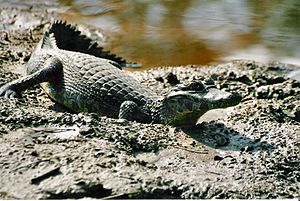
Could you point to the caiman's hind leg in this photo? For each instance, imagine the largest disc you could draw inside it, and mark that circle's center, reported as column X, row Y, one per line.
column 51, row 69
column 131, row 111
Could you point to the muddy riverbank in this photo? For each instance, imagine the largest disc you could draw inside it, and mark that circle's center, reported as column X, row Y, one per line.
column 248, row 151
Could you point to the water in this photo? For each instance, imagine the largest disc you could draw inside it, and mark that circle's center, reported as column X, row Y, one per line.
column 158, row 33
column 181, row 32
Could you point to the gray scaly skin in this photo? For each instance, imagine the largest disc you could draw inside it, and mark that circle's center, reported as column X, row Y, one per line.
column 78, row 74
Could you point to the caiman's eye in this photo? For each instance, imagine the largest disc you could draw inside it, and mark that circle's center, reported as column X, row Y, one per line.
column 196, row 86
column 209, row 81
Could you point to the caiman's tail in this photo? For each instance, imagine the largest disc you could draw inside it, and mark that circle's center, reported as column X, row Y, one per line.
column 68, row 37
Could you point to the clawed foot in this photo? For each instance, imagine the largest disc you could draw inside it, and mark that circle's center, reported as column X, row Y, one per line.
column 7, row 92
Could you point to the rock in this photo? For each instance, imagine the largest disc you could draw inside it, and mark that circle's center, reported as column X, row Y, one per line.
column 172, row 79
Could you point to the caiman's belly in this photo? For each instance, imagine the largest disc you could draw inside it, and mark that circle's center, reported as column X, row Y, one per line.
column 80, row 103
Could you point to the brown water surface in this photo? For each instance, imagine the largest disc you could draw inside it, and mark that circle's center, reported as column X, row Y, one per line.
column 180, row 32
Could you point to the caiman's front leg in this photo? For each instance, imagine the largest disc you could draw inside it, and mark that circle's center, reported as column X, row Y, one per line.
column 128, row 110
column 50, row 69
column 131, row 111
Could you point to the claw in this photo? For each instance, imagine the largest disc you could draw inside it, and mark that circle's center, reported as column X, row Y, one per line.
column 2, row 91
column 10, row 94
column 7, row 92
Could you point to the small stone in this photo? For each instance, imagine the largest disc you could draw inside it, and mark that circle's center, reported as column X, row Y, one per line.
column 296, row 84
column 297, row 114
column 262, row 92
column 251, row 66
column 218, row 158
column 160, row 79
column 34, row 153
column 244, row 79
column 275, row 80
column 172, row 79
column 232, row 76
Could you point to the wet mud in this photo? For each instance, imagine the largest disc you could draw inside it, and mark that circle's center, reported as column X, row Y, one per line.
column 249, row 151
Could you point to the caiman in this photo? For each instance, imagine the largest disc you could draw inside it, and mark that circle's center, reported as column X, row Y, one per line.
column 77, row 73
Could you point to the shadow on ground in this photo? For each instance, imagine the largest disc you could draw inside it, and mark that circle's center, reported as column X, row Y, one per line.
column 217, row 135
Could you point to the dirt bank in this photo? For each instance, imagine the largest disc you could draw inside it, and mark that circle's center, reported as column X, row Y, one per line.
column 249, row 151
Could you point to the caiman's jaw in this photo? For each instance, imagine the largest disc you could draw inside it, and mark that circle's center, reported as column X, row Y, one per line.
column 186, row 103
column 216, row 98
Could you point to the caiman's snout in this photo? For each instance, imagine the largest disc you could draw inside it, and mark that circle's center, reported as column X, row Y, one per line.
column 207, row 95
column 187, row 102
column 216, row 98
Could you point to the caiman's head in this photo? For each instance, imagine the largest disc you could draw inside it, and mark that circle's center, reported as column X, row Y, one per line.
column 185, row 103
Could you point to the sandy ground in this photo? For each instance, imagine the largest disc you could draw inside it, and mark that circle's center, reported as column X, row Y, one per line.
column 248, row 151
